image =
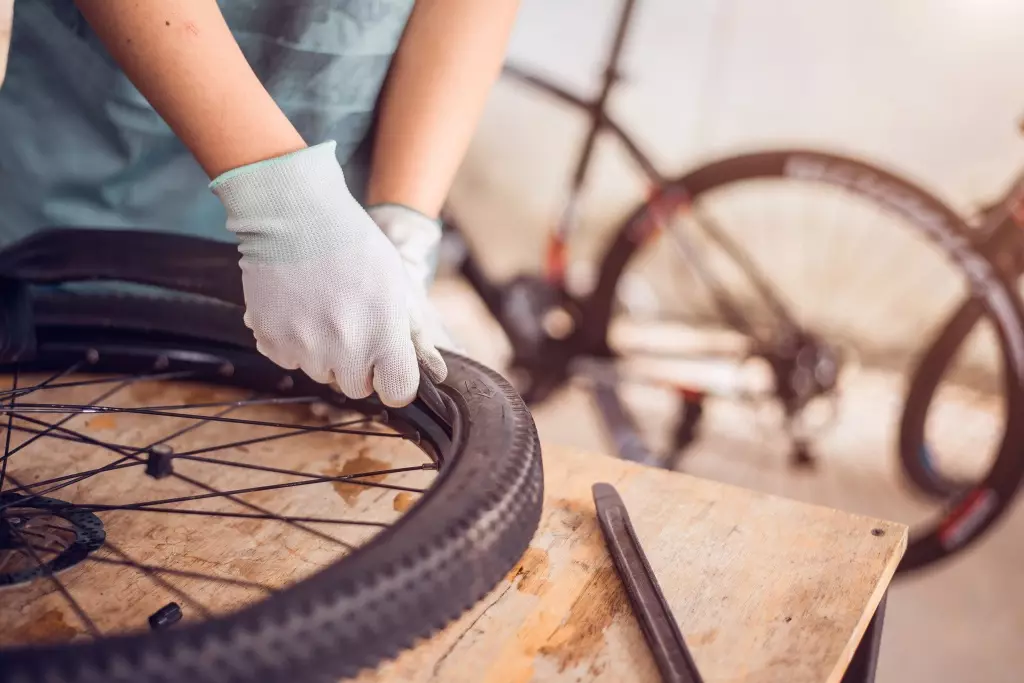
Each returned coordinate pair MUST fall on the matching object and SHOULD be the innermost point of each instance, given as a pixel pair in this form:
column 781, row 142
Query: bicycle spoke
column 7, row 440
column 252, row 506
column 295, row 473
column 51, row 435
column 272, row 401
column 128, row 453
column 213, row 491
column 314, row 479
column 155, row 577
column 102, row 397
column 24, row 391
column 79, row 436
column 260, row 439
column 185, row 574
column 190, row 428
column 84, row 475
column 771, row 296
column 86, row 620
column 230, row 515
column 176, row 374
column 719, row 294
column 74, row 408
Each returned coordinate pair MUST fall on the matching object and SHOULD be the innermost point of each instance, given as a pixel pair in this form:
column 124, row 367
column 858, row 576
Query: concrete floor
column 962, row 621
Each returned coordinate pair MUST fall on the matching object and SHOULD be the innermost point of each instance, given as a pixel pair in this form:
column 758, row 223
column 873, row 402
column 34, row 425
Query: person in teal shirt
column 118, row 114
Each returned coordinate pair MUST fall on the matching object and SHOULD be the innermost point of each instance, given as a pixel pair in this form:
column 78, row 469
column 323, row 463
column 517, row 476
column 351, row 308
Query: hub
column 803, row 368
column 40, row 536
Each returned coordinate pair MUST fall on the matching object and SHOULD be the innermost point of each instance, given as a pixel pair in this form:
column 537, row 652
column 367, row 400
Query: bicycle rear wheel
column 273, row 585
column 943, row 390
column 795, row 291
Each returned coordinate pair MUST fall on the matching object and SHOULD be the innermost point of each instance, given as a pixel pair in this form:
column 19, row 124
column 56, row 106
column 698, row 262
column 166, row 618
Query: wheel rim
column 258, row 494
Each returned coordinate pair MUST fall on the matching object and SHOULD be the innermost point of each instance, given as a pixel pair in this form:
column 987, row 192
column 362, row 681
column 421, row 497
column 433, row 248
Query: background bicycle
column 888, row 293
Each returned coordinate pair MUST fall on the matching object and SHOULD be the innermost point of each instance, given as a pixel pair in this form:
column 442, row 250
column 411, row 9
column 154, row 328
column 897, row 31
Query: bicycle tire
column 974, row 511
column 915, row 458
column 447, row 553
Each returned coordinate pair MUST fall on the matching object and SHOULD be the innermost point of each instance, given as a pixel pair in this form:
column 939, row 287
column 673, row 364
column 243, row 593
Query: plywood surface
column 764, row 589
column 206, row 564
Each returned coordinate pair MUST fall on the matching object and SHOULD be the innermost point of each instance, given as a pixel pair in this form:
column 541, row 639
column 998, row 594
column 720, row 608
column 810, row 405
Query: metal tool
column 655, row 617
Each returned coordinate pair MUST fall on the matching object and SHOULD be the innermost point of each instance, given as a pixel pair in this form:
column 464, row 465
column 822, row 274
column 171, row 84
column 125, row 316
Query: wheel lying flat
column 303, row 537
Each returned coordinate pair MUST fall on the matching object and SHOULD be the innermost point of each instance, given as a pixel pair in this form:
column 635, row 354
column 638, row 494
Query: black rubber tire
column 915, row 458
column 414, row 578
column 974, row 511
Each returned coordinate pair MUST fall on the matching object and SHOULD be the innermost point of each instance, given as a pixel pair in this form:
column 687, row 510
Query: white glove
column 325, row 291
column 417, row 239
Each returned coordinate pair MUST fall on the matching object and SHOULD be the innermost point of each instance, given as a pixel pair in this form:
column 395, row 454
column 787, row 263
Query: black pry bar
column 656, row 621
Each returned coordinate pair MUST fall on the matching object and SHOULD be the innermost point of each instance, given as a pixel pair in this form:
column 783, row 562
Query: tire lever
column 653, row 612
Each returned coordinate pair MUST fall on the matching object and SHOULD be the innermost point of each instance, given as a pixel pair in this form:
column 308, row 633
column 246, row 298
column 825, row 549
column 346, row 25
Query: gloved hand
column 325, row 291
column 417, row 238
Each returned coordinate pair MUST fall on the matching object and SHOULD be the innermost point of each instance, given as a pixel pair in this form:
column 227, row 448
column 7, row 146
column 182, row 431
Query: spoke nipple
column 161, row 362
column 92, row 356
column 429, row 466
column 165, row 617
column 226, row 370
column 286, row 383
column 160, row 461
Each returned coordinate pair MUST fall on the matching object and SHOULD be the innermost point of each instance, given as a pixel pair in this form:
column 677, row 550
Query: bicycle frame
column 588, row 313
column 599, row 122
column 1000, row 237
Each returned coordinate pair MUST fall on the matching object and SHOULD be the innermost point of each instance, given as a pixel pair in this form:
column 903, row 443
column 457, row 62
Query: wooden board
column 764, row 589
column 206, row 564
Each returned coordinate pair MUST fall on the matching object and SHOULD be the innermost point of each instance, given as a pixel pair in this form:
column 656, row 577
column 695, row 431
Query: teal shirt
column 80, row 146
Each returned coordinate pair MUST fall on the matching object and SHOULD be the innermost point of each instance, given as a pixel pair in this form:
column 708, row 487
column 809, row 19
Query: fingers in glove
column 427, row 354
column 279, row 357
column 396, row 376
column 355, row 382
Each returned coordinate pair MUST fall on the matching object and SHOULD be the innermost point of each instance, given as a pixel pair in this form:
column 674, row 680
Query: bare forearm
column 450, row 55
column 181, row 55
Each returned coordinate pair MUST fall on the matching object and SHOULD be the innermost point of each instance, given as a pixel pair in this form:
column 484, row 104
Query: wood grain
column 237, row 555
column 765, row 589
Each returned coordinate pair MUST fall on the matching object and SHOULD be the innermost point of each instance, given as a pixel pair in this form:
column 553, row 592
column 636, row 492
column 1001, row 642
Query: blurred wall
column 932, row 89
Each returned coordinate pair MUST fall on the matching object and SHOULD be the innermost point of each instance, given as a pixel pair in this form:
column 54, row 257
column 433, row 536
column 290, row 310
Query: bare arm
column 450, row 55
column 181, row 55
column 6, row 17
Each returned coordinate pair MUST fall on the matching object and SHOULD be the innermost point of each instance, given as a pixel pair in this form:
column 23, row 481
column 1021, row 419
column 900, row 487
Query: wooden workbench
column 765, row 589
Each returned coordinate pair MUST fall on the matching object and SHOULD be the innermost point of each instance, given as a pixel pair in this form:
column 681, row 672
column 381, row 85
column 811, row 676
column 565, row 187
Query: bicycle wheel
column 945, row 370
column 794, row 292
column 256, row 537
